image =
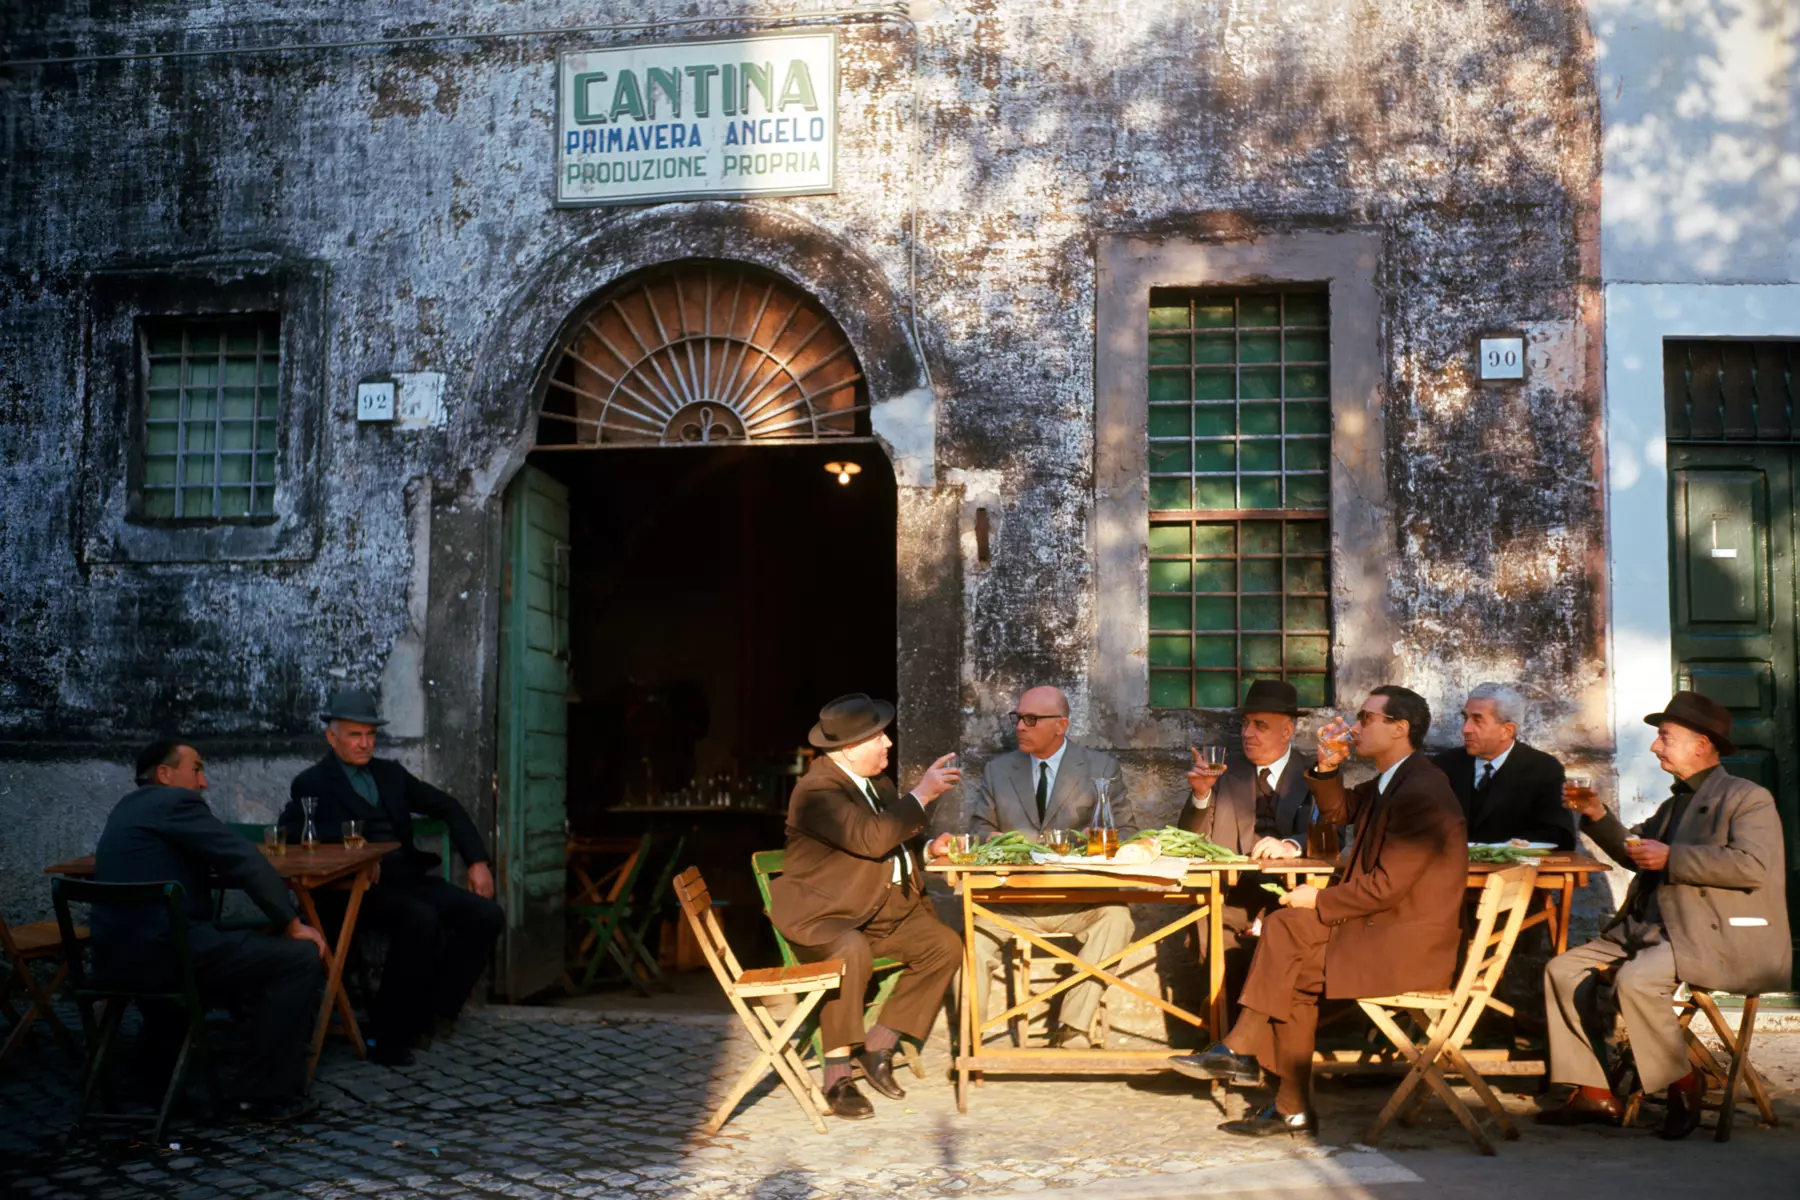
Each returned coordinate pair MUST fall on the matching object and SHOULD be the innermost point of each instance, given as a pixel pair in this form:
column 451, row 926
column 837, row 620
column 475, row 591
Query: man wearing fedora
column 1048, row 783
column 1708, row 907
column 851, row 888
column 440, row 936
column 1260, row 806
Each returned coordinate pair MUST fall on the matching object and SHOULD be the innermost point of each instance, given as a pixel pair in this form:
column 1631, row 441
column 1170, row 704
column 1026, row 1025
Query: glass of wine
column 1578, row 791
column 353, row 835
column 275, row 839
column 1060, row 841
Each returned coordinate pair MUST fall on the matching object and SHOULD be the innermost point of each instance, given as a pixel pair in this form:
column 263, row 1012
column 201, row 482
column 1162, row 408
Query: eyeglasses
column 1030, row 720
column 1365, row 716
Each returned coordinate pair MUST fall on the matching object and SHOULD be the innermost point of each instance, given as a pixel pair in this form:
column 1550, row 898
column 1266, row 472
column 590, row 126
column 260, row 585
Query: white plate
column 1512, row 846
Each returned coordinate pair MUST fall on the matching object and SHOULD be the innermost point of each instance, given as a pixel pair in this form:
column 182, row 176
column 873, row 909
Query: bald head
column 1045, row 700
column 1042, row 721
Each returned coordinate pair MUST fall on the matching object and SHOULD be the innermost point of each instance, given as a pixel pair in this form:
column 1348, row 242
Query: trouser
column 1644, row 982
column 278, row 979
column 440, row 938
column 907, row 928
column 1102, row 930
column 1279, row 1017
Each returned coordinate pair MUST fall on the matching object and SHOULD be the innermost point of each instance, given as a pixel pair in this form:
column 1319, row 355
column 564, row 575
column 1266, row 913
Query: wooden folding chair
column 1731, row 1074
column 753, row 994
column 40, row 941
column 606, row 918
column 1444, row 1020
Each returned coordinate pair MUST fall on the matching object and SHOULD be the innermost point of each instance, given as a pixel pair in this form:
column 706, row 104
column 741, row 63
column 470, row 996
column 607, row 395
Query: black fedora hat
column 351, row 704
column 849, row 720
column 1700, row 713
column 1271, row 695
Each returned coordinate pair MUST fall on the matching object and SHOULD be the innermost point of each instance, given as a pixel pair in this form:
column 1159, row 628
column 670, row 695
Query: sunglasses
column 1030, row 720
column 1365, row 716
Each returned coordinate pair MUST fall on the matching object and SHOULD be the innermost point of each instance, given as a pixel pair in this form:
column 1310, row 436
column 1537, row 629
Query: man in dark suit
column 1391, row 923
column 1260, row 806
column 851, row 889
column 440, row 937
column 165, row 831
column 1507, row 789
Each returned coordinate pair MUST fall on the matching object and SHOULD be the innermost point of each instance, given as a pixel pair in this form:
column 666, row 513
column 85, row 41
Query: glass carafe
column 309, row 831
column 1102, row 833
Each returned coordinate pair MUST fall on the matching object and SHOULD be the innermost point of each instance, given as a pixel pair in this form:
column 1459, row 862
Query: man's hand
column 1301, row 895
column 1274, row 848
column 938, row 847
column 1648, row 855
column 481, row 880
column 1200, row 780
column 939, row 778
column 300, row 931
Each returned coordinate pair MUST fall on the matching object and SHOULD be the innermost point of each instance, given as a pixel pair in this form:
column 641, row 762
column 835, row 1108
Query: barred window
column 1239, row 458
column 210, row 403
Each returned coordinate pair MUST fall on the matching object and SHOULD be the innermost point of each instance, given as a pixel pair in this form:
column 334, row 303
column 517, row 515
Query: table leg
column 1215, row 958
column 335, row 996
column 972, row 989
column 1562, row 915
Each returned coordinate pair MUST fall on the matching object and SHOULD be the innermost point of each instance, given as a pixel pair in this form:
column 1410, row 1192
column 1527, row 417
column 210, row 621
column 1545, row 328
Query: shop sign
column 751, row 116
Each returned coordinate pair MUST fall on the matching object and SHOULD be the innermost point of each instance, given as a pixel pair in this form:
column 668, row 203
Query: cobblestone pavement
column 547, row 1103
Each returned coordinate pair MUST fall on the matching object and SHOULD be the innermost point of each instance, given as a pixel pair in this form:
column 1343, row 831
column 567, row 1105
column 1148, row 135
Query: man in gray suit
column 1048, row 783
column 1708, row 907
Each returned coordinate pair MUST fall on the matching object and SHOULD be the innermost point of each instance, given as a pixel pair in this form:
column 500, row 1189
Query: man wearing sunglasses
column 1048, row 783
column 1390, row 923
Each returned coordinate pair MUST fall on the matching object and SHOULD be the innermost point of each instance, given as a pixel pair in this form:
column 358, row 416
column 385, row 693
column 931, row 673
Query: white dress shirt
column 1494, row 764
column 1387, row 777
column 1054, row 762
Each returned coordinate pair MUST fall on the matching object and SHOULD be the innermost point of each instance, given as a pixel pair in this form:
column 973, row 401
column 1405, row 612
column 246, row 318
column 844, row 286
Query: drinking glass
column 962, row 849
column 1212, row 760
column 1334, row 736
column 1578, row 791
column 353, row 835
column 1060, row 841
column 275, row 839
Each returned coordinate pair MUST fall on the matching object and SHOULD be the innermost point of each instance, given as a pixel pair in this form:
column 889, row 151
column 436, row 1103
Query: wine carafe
column 1102, row 833
column 309, row 831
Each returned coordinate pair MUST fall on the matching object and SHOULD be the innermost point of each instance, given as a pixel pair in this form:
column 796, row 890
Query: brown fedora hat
column 1700, row 713
column 1271, row 695
column 849, row 720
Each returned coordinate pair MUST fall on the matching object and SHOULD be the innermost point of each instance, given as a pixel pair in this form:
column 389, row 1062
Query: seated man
column 165, row 831
column 1392, row 922
column 852, row 889
column 1507, row 789
column 1708, row 907
column 1260, row 806
column 440, row 936
column 1048, row 783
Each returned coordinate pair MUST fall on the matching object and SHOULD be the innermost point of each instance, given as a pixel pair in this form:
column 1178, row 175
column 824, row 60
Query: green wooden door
column 533, row 738
column 1732, row 537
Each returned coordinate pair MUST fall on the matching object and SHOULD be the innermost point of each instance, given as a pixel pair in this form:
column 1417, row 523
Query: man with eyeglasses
column 1392, row 922
column 1048, row 783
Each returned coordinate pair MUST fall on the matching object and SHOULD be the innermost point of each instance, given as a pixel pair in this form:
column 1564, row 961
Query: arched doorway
column 686, row 582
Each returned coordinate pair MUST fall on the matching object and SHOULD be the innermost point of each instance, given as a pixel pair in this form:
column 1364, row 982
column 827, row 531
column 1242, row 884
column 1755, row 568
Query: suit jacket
column 839, row 863
column 1396, row 910
column 1522, row 800
column 168, row 833
column 1230, row 820
column 1005, row 797
column 1724, row 892
column 401, row 795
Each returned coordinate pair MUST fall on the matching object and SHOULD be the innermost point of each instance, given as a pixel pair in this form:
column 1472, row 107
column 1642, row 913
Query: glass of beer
column 1578, row 791
column 961, row 851
column 353, row 835
column 274, row 839
column 1060, row 841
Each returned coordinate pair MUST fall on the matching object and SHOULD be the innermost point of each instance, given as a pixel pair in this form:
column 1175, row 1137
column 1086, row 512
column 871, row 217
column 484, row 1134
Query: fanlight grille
column 703, row 354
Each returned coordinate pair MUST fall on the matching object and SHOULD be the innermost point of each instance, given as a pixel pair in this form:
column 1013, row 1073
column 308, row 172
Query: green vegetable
column 1276, row 888
column 1502, row 854
column 1179, row 843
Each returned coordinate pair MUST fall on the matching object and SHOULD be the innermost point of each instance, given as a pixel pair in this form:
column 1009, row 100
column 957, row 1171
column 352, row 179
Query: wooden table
column 1200, row 892
column 329, row 865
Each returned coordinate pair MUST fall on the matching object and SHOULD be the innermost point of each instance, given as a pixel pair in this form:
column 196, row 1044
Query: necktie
column 1485, row 775
column 901, row 861
column 1265, row 804
column 1043, row 791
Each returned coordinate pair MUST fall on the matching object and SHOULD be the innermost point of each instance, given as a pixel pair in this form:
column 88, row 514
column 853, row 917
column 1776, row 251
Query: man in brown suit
column 1708, row 906
column 851, row 889
column 1391, row 923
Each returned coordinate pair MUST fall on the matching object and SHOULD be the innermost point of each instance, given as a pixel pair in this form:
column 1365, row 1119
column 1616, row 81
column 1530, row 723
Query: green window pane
column 1169, row 387
column 1169, row 538
column 1215, row 690
column 1306, row 575
column 1215, row 348
column 166, row 343
column 1309, row 416
column 1169, row 348
column 1307, row 614
column 1215, row 537
column 159, row 504
column 1169, row 689
column 1307, row 346
column 1262, row 612
column 1259, row 418
column 160, row 439
column 1260, row 454
column 1215, row 420
column 1307, row 651
column 1168, row 420
column 1306, row 537
column 1173, row 316
column 203, row 372
column 1214, row 314
column 159, row 470
column 1171, row 576
column 1212, row 612
column 1262, row 652
column 236, row 435
column 1259, row 347
column 234, row 502
column 1215, row 575
column 1215, row 491
column 1171, row 493
column 196, row 502
column 1215, row 456
column 265, row 502
column 1168, row 651
column 239, row 404
column 197, row 470
column 1262, row 537
column 1214, row 385
column 1308, row 381
column 163, row 406
column 201, row 406
column 199, row 438
column 1215, row 651
column 1171, row 458
column 1169, row 612
column 1305, row 308
column 265, row 467
column 235, row 469
column 164, row 375
column 240, row 342
column 1262, row 575
column 1308, row 491
column 271, row 372
column 1308, row 454
column 240, row 372
column 1310, row 689
column 1260, row 491
column 265, row 435
column 1259, row 310
column 1259, row 383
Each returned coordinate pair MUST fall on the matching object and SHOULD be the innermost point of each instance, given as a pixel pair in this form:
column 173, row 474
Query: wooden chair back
column 1505, row 899
column 696, row 905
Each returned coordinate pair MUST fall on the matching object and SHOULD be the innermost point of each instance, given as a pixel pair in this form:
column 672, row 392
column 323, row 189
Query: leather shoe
column 845, row 1101
column 1583, row 1109
column 1219, row 1062
column 1271, row 1121
column 878, row 1069
column 1685, row 1106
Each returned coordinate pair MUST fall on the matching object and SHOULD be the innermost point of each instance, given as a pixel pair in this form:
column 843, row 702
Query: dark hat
column 1701, row 714
column 351, row 704
column 1271, row 695
column 849, row 720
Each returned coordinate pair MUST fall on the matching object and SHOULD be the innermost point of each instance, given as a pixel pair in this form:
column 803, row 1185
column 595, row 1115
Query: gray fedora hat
column 351, row 704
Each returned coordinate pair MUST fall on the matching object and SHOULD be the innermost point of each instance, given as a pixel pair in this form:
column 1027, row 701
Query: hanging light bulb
column 843, row 471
